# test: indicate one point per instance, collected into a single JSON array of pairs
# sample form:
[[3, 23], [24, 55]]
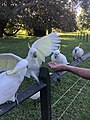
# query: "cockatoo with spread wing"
[[40, 49], [10, 81], [77, 52], [59, 58]]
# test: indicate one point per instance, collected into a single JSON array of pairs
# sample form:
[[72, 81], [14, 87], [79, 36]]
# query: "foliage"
[[83, 20], [10, 20], [54, 14], [37, 15]]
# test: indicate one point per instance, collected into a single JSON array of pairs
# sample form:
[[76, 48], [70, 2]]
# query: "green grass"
[[79, 110]]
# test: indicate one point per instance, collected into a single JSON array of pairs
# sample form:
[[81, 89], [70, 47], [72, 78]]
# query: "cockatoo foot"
[[81, 59], [78, 60], [9, 102]]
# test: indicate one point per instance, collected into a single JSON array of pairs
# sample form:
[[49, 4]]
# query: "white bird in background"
[[58, 57], [40, 49], [77, 52], [36, 96], [10, 81]]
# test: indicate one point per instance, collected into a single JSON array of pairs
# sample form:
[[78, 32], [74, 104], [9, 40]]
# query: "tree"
[[38, 15], [54, 14], [10, 21], [83, 20]]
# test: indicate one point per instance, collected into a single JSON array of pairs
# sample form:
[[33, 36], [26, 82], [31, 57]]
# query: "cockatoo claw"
[[81, 59]]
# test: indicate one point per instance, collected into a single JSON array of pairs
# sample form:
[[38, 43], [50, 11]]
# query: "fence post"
[[87, 37], [78, 36], [83, 36], [45, 95]]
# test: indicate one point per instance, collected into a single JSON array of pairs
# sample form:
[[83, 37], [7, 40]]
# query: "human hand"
[[57, 67]]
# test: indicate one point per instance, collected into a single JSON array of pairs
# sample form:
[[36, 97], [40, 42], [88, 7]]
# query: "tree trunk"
[[1, 30], [49, 30], [2, 27], [39, 32]]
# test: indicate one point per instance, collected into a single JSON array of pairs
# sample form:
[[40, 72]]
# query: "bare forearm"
[[83, 72]]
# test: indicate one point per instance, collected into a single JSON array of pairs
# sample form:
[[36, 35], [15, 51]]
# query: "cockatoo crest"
[[32, 52]]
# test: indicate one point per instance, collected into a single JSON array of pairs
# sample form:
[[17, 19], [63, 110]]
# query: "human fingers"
[[52, 64]]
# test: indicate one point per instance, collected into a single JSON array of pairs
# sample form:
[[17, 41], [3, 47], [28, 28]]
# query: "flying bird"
[[77, 52], [10, 81], [37, 53], [59, 58]]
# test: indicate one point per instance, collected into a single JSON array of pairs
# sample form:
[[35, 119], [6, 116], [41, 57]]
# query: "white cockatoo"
[[40, 49], [77, 52], [10, 81], [58, 57]]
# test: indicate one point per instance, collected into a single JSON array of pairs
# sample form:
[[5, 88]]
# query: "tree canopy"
[[84, 18], [37, 15]]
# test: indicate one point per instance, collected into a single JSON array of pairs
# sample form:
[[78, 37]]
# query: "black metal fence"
[[83, 36]]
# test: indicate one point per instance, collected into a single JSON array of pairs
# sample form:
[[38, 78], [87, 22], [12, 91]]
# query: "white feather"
[[58, 57], [11, 80], [77, 52], [35, 96]]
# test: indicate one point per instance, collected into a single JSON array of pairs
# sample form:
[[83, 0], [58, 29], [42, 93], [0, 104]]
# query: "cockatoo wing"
[[46, 45], [8, 61]]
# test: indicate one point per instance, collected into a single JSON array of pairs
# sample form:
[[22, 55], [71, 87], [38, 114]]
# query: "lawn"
[[79, 109]]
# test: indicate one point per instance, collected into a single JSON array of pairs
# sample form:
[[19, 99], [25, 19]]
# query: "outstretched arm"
[[83, 72]]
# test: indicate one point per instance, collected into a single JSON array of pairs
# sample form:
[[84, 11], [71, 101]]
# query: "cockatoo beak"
[[55, 55], [34, 55], [75, 51]]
